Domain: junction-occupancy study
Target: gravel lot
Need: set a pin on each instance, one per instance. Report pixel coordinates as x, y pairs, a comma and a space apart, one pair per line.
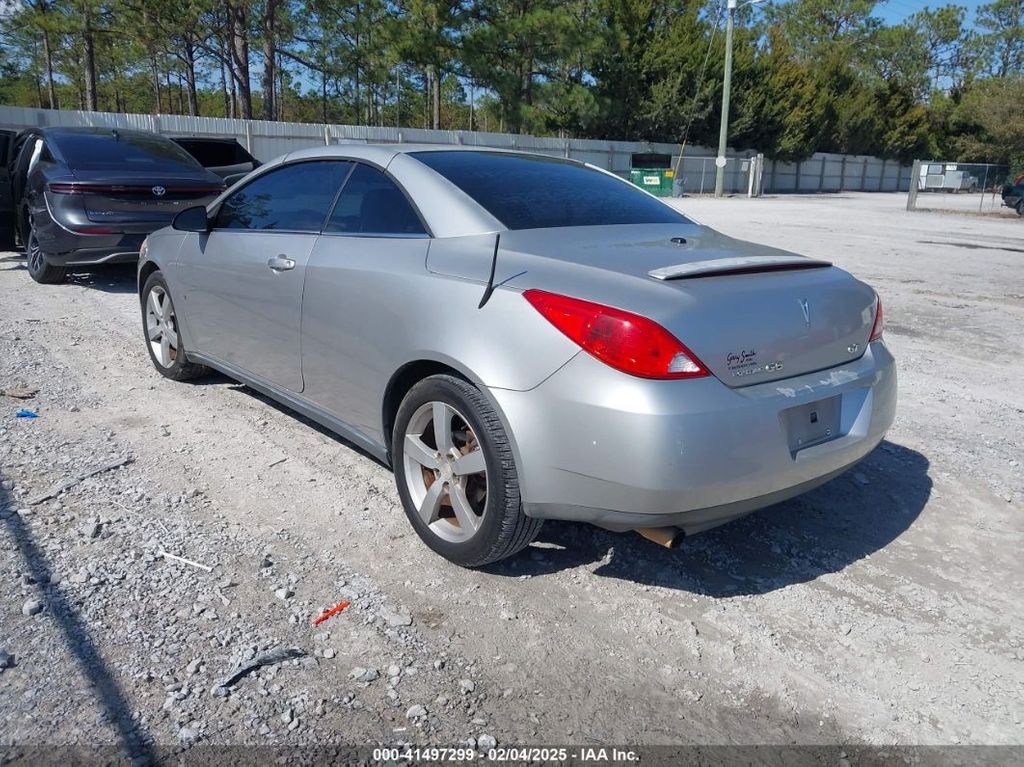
881, 608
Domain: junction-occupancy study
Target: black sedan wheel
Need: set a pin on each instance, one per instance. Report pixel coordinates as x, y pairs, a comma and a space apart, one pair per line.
39, 269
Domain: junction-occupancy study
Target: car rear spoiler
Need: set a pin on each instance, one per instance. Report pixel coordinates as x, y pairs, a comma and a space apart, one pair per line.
736, 265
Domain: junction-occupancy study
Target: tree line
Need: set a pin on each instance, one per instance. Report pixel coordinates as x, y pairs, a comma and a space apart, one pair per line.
809, 75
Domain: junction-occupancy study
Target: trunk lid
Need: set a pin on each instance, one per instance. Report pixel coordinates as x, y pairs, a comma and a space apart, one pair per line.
751, 313
750, 328
142, 198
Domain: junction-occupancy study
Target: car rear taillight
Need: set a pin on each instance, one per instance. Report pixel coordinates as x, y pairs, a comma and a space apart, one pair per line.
879, 327
623, 340
74, 187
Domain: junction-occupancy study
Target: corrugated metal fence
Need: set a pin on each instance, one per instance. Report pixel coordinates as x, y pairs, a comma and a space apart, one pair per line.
265, 140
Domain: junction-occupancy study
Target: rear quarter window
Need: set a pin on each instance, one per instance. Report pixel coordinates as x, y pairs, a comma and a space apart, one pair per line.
370, 203
123, 151
530, 192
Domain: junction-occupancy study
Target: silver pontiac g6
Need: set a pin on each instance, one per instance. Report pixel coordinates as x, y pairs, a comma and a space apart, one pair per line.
523, 338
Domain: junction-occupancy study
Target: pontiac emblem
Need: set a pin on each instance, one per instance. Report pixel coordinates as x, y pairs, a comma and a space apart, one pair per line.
158, 191
805, 307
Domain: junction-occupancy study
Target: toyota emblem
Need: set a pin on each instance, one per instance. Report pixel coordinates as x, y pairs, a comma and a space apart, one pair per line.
159, 191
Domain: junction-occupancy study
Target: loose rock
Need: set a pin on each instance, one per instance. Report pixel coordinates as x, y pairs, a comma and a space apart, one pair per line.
361, 674
395, 619
485, 742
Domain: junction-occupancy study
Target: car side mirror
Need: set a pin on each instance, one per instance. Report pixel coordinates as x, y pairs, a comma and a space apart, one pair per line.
192, 219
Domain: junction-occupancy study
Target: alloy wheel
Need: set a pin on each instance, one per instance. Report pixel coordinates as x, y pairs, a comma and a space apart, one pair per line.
445, 471
36, 259
161, 326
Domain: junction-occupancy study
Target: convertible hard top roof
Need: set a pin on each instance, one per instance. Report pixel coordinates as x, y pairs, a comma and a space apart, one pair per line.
382, 154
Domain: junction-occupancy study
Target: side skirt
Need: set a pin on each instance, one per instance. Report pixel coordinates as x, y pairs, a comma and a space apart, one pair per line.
299, 404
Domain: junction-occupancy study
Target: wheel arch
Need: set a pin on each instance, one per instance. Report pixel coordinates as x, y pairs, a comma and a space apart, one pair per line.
411, 373
145, 270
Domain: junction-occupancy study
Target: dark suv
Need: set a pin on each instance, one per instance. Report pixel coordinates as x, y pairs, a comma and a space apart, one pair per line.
86, 196
1013, 194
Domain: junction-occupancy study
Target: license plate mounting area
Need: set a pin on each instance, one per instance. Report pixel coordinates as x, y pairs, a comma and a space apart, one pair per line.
812, 423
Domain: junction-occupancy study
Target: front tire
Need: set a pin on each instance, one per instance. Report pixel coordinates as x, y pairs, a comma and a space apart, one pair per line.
162, 333
456, 474
39, 269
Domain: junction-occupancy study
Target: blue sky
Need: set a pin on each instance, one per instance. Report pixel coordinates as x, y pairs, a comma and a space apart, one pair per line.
894, 11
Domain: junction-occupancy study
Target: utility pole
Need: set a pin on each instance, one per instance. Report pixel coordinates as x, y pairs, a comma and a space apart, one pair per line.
723, 132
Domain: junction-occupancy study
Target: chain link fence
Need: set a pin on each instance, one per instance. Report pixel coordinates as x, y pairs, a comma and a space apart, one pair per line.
695, 175
959, 187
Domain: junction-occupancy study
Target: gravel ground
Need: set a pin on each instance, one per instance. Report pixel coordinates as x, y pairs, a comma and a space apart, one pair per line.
878, 609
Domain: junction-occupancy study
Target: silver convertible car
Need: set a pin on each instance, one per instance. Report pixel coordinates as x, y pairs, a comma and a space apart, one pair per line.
523, 338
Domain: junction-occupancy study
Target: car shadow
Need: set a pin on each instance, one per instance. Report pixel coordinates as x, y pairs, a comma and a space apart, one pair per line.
820, 532
281, 408
111, 278
13, 262
78, 640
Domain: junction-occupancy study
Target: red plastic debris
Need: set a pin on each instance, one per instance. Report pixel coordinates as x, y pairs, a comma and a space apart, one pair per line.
330, 613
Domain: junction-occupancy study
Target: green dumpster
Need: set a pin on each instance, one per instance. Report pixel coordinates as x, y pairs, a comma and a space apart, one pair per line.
657, 181
652, 172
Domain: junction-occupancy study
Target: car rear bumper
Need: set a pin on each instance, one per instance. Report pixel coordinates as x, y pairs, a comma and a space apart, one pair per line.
598, 446
69, 237
99, 249
65, 247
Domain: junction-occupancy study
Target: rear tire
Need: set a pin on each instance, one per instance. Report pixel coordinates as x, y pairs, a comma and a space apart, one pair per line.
39, 268
468, 511
1020, 208
162, 333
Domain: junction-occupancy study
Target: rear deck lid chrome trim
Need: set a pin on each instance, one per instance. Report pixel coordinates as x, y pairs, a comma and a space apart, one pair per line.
736, 265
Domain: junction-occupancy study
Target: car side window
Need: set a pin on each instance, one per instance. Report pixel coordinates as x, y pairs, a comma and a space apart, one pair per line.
292, 198
370, 203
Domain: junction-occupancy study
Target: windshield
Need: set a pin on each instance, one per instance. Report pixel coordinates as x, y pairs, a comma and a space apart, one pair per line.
124, 152
529, 192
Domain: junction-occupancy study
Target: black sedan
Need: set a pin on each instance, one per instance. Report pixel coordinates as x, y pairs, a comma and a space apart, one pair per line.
85, 196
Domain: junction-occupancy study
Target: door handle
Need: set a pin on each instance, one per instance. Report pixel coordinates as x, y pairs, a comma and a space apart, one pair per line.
281, 263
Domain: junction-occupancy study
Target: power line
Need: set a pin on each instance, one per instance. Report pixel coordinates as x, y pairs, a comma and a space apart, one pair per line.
700, 85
